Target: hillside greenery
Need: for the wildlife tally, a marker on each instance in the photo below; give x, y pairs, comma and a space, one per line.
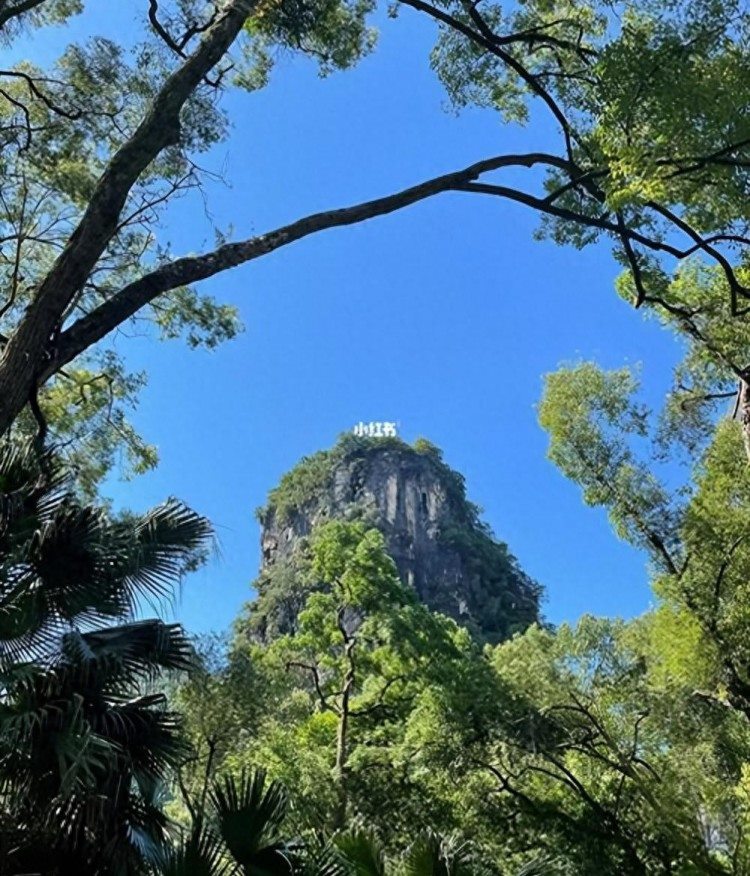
312, 476
510, 597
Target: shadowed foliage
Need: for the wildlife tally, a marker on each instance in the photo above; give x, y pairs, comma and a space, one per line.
84, 745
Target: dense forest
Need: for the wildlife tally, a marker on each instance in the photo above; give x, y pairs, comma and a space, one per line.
351, 723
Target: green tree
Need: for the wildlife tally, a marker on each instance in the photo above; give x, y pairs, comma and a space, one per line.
339, 706
635, 754
243, 830
84, 744
653, 155
619, 766
694, 537
609, 747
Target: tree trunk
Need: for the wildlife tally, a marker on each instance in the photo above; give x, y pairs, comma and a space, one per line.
342, 755
342, 737
33, 344
743, 412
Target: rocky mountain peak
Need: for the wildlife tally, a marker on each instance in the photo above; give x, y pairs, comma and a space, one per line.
434, 534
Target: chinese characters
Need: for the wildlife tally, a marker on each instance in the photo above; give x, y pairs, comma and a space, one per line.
375, 430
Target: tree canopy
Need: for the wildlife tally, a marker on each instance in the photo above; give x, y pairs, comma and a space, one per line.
652, 156
376, 735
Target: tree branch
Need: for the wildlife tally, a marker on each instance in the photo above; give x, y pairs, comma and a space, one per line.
159, 128
489, 41
191, 269
14, 11
325, 706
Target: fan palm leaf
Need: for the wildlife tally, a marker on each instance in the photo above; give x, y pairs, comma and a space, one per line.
249, 813
202, 853
433, 855
64, 564
362, 852
320, 857
82, 746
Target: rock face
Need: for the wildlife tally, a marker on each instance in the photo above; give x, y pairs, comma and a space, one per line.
439, 545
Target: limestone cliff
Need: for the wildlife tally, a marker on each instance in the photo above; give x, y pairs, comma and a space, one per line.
435, 536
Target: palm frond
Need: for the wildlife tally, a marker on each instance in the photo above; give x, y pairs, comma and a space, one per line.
362, 852
424, 857
168, 541
249, 814
82, 747
320, 857
539, 867
201, 854
433, 855
130, 653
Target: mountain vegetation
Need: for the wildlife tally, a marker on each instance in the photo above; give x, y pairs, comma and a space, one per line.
377, 735
440, 543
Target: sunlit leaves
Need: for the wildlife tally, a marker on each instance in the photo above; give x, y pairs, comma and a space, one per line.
590, 416
333, 32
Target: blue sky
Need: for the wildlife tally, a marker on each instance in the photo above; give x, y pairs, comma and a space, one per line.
443, 317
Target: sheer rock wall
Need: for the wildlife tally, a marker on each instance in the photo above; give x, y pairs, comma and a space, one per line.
434, 535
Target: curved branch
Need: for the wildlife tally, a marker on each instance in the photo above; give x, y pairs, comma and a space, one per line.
191, 269
159, 128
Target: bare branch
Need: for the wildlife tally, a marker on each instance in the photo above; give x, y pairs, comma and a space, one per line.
325, 705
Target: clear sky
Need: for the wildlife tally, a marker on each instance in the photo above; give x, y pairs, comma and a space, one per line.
443, 317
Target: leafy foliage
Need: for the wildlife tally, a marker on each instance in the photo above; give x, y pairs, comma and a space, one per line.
608, 747
241, 831
338, 702
84, 746
61, 124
